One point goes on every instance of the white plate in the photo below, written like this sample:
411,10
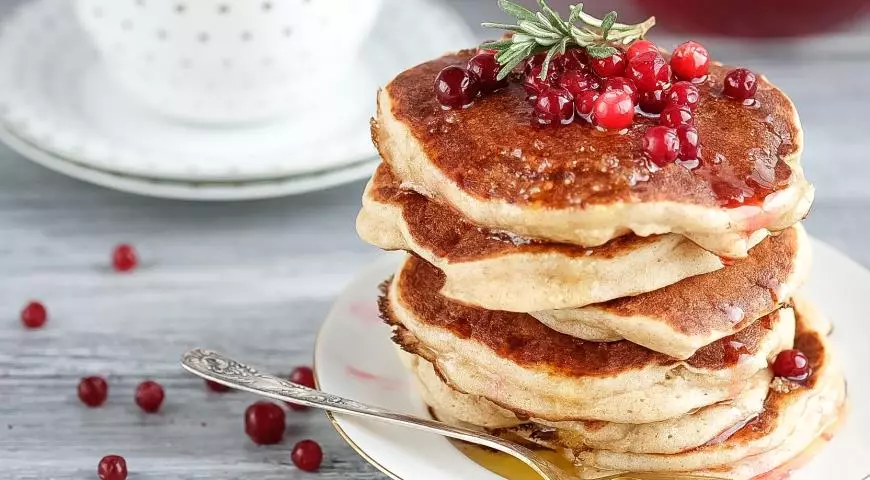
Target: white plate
354,358
55,94
202,191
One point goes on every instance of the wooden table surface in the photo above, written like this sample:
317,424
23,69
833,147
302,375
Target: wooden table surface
255,279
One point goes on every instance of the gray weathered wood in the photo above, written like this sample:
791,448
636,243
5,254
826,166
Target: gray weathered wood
255,279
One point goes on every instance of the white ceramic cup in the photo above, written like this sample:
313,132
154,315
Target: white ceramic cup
227,61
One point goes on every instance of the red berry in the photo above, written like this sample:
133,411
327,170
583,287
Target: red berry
612,66
307,455
584,103
661,145
93,391
654,101
486,68
649,71
690,60
740,84
684,94
533,84
621,84
792,364
34,315
216,387
124,258
572,59
613,109
149,396
264,423
303,376
554,106
534,61
688,136
577,82
455,87
640,46
674,115
112,467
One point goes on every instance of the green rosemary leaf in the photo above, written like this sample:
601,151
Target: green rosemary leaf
607,24
516,10
575,13
557,49
508,67
600,50
502,26
553,17
497,44
537,31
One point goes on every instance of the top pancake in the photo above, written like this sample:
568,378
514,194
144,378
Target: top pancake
580,185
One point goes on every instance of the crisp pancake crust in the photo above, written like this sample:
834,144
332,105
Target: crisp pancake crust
499,271
578,185
680,318
515,361
494,151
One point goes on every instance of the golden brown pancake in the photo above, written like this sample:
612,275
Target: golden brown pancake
500,271
514,360
785,421
579,185
680,318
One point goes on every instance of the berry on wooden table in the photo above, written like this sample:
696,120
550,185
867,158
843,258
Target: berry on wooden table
690,61
34,315
577,82
149,396
622,84
216,387
533,84
585,102
264,423
93,391
112,467
124,258
307,455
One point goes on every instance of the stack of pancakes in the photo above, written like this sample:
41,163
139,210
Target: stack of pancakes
562,291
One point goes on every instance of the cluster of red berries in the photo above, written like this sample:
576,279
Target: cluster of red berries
265,422
94,390
607,92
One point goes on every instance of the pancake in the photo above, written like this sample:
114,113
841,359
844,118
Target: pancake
500,271
792,417
518,363
679,319
668,436
755,433
576,184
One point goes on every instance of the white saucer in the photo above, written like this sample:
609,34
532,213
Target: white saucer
55,95
201,191
354,358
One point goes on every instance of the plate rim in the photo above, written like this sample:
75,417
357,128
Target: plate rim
189,190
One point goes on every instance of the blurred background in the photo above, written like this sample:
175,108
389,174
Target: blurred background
228,142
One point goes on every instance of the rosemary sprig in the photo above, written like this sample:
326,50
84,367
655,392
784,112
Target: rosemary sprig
546,31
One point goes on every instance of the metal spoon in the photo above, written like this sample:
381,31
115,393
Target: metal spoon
218,368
